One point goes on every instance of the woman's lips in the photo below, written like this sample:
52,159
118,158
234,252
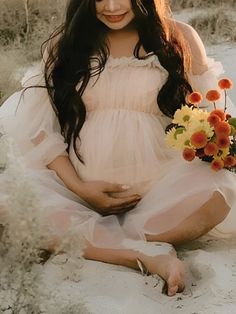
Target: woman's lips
115,18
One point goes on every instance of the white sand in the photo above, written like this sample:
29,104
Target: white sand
108,289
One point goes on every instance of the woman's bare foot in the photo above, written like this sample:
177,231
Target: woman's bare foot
170,268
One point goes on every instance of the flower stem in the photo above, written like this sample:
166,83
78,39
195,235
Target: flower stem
225,108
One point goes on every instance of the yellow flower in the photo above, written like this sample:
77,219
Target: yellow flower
183,140
222,153
200,115
198,125
177,138
183,116
171,138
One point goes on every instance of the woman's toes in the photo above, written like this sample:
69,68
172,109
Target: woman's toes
172,290
170,268
175,280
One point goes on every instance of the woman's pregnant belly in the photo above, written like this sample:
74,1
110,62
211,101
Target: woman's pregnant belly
121,146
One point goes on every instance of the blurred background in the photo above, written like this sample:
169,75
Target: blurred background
26,24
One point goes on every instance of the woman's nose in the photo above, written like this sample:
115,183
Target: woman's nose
112,5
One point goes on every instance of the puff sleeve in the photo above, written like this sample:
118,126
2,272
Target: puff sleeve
209,80
29,118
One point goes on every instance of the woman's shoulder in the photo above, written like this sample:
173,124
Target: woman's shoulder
197,48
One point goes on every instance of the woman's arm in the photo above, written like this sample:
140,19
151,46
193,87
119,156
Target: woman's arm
95,193
66,172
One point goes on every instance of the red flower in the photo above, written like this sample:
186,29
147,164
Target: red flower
213,119
213,95
222,128
219,112
230,161
211,149
189,154
225,84
199,139
195,98
217,165
223,141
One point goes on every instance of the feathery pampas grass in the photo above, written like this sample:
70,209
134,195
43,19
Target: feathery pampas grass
23,235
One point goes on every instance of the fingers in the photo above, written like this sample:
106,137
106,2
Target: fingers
125,207
118,210
121,206
124,201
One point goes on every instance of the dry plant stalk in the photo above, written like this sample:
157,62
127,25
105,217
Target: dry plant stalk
26,7
21,287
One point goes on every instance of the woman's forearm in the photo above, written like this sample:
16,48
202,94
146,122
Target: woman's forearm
66,172
95,193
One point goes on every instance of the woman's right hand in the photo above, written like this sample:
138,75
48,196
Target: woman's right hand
97,194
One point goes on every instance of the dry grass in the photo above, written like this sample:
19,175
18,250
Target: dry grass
184,4
214,20
215,26
25,24
10,61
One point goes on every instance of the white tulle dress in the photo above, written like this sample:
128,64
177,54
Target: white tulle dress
122,141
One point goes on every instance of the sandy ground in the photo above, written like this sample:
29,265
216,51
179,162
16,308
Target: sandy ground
109,289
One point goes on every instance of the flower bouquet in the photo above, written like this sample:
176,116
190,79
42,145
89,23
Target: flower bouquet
210,136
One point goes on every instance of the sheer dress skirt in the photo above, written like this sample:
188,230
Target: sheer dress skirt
122,145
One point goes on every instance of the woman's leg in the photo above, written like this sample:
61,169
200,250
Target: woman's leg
169,267
199,223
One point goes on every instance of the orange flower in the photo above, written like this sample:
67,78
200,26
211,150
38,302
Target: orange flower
222,128
223,141
189,154
195,98
217,165
213,95
211,149
220,113
225,84
199,139
213,119
229,161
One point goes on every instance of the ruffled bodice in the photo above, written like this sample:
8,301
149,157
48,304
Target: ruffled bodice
122,139
126,83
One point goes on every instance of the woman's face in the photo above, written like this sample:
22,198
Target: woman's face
115,14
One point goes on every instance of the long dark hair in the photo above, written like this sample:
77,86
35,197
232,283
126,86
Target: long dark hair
72,46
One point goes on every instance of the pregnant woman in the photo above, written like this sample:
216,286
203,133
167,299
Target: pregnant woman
90,127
